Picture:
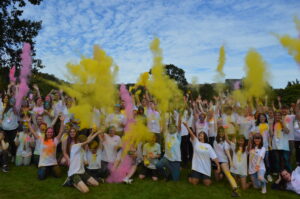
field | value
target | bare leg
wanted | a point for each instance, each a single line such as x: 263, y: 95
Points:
x: 81, y: 187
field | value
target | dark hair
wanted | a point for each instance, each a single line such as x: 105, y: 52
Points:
x: 218, y: 138
x: 253, y: 143
x: 45, y: 139
x: 258, y: 119
x: 237, y: 144
x: 69, y: 139
x: 205, y: 136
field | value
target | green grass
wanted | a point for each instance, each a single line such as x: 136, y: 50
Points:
x: 22, y: 183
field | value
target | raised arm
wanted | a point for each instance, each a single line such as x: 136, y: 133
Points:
x: 61, y: 129
x: 91, y: 137
x: 193, y: 136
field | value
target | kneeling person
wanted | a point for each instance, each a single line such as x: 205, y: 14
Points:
x: 77, y: 175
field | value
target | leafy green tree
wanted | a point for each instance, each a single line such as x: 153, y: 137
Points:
x: 15, y: 31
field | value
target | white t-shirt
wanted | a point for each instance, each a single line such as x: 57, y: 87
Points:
x: 212, y: 130
x: 227, y: 121
x: 48, y: 152
x: 37, y: 147
x: 289, y: 122
x: 153, y: 118
x: 203, y: 152
x: 263, y: 129
x: 280, y: 139
x: 294, y: 185
x: 93, y: 159
x: 109, y: 153
x: 239, y: 161
x: 172, y: 146
x: 254, y: 155
x: 10, y: 120
x: 116, y: 120
x: 297, y: 130
x: 155, y: 150
x: 201, y: 127
x: 24, y: 148
x: 246, y: 124
x: 76, y: 160
x: 220, y: 150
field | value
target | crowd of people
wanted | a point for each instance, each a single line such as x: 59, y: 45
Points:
x: 249, y: 146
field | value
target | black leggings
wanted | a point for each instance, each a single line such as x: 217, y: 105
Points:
x: 10, y: 138
x: 297, y: 149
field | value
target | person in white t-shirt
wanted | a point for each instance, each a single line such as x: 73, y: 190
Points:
x: 151, y: 155
x: 111, y: 145
x: 93, y: 160
x: 24, y: 142
x: 201, y: 163
x: 239, y: 165
x: 48, y: 145
x: 257, y: 167
x: 288, y: 181
x: 222, y: 148
x: 76, y: 173
x: 169, y: 165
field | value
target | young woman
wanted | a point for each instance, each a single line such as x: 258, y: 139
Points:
x: 240, y: 160
x: 48, y: 161
x: 222, y: 148
x: 24, y: 142
x: 170, y: 163
x: 10, y: 125
x: 41, y: 131
x: 67, y: 144
x: 262, y: 127
x: 111, y: 144
x: 280, y: 143
x: 257, y: 167
x: 289, y: 181
x: 3, y: 151
x: 151, y: 154
x: 201, y: 163
x: 77, y: 175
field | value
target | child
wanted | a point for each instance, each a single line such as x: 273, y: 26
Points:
x: 151, y: 154
x: 257, y: 168
x: 93, y: 160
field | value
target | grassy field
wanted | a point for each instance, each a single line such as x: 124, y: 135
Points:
x: 22, y: 183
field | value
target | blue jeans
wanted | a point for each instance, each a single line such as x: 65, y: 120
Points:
x: 256, y: 181
x: 282, y: 160
x: 167, y: 168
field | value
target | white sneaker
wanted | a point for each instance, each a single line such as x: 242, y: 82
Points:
x: 264, y: 189
x: 269, y: 178
x: 127, y: 181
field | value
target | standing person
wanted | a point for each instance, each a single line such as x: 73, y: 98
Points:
x: 41, y: 131
x: 246, y: 123
x: 48, y: 161
x: 280, y: 143
x: 24, y: 142
x: 297, y: 134
x: 3, y: 151
x: 262, y: 127
x: 201, y: 163
x: 76, y: 173
x: 153, y: 121
x: 257, y: 167
x: 111, y: 144
x: 169, y: 165
x: 10, y: 125
x: 240, y: 161
x: 222, y: 148
x: 67, y: 144
x: 212, y: 126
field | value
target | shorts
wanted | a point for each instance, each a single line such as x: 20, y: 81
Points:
x: 76, y: 178
x: 238, y: 175
x: 198, y: 175
x: 148, y: 172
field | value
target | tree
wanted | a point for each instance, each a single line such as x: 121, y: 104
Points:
x: 177, y: 74
x: 15, y: 31
x: 207, y: 91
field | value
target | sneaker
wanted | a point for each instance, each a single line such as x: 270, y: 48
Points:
x: 127, y: 181
x: 264, y: 189
x: 235, y: 193
x: 5, y: 168
x: 67, y: 183
x: 269, y: 178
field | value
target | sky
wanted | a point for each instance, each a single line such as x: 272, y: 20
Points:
x: 191, y: 33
